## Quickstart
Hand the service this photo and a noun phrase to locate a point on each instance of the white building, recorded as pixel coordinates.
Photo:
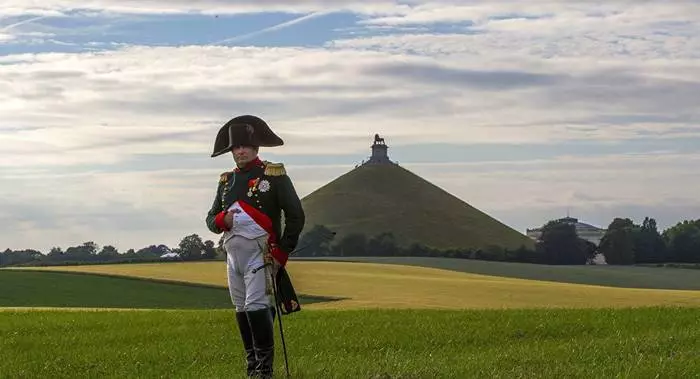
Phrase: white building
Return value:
(586, 231)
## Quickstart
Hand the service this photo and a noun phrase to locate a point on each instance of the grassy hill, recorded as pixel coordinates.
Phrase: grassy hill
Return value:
(387, 198)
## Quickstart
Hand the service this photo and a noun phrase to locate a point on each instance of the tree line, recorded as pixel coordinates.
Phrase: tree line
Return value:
(191, 247)
(624, 243)
(628, 243)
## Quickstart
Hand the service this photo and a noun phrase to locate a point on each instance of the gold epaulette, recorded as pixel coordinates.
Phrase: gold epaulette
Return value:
(274, 169)
(224, 177)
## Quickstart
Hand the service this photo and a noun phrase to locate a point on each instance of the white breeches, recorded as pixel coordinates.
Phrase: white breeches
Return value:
(249, 291)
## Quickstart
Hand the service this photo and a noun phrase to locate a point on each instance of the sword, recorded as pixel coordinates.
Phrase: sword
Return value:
(278, 308)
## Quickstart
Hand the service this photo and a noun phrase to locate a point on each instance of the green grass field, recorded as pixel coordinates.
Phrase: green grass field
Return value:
(552, 330)
(21, 288)
(631, 343)
(600, 275)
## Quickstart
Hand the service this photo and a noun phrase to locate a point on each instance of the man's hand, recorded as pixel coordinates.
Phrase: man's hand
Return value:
(228, 219)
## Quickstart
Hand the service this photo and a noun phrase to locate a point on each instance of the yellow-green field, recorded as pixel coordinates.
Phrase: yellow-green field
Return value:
(193, 332)
(368, 285)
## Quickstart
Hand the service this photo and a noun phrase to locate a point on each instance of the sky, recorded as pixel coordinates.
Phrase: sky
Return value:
(526, 111)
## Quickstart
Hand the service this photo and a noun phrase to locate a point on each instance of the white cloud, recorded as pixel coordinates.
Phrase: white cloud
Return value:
(565, 30)
(545, 13)
(582, 72)
(103, 107)
(436, 12)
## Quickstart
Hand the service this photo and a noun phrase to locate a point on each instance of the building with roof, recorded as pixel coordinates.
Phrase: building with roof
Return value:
(588, 232)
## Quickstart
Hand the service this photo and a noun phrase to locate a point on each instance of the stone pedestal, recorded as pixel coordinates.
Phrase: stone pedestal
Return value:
(380, 153)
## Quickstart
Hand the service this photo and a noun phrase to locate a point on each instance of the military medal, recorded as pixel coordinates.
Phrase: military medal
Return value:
(252, 186)
(264, 186)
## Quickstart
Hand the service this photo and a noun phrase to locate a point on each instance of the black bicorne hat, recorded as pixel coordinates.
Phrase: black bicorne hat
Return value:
(244, 130)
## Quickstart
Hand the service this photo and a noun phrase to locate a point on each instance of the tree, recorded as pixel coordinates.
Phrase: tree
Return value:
(209, 250)
(55, 252)
(192, 247)
(316, 242)
(589, 250)
(416, 250)
(649, 245)
(617, 245)
(525, 255)
(108, 252)
(353, 244)
(85, 251)
(559, 244)
(491, 253)
(9, 257)
(683, 241)
(152, 251)
(383, 244)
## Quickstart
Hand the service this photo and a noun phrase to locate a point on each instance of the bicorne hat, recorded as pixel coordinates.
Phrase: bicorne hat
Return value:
(244, 130)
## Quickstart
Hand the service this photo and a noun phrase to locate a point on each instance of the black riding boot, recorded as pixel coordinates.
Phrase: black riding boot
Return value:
(263, 340)
(247, 337)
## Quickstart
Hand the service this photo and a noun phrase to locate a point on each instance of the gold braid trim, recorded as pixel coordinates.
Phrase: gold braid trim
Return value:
(274, 169)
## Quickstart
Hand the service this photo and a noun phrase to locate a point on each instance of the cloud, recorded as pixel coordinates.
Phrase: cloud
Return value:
(109, 142)
(171, 99)
(605, 91)
(453, 76)
(511, 14)
(582, 34)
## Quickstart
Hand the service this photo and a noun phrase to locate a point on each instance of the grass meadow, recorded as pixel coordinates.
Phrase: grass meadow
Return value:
(173, 320)
(554, 343)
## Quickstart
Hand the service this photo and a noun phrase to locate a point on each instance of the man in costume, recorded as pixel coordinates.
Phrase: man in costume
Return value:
(247, 209)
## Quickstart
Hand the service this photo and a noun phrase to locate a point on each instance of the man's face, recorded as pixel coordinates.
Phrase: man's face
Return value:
(244, 154)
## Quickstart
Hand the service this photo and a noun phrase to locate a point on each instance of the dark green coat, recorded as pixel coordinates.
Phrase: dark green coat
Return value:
(280, 198)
